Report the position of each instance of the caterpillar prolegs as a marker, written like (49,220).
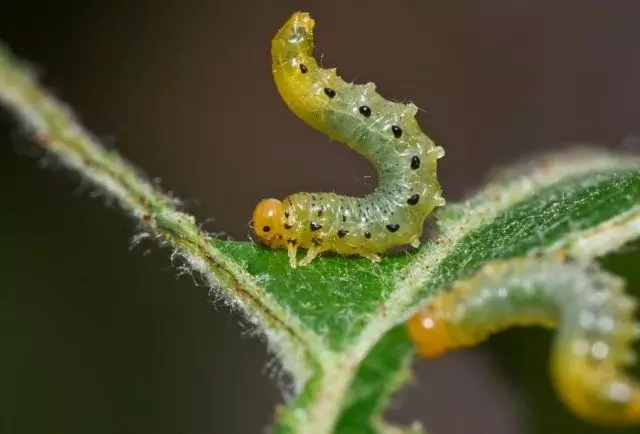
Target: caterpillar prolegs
(595,321)
(384,132)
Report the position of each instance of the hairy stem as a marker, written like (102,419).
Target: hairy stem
(54,128)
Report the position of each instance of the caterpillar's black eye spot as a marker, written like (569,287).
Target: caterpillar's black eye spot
(342,233)
(413,199)
(329,92)
(266,228)
(315,226)
(344,218)
(303,68)
(319,213)
(367,234)
(287,226)
(393,227)
(286,214)
(415,162)
(364,111)
(396,130)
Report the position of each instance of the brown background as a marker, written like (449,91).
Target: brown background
(97,338)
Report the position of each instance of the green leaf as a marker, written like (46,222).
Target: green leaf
(337,326)
(355,304)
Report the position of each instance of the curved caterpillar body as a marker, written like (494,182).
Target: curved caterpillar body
(595,320)
(384,132)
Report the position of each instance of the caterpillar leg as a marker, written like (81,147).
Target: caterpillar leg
(292,250)
(311,254)
(374,257)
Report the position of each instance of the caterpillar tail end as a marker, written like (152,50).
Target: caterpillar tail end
(599,394)
(298,29)
(302,20)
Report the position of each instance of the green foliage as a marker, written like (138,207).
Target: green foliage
(343,300)
(332,297)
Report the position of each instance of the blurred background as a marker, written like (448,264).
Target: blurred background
(99,337)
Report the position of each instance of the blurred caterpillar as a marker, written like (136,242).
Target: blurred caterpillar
(384,132)
(595,319)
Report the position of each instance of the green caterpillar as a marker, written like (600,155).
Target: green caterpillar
(595,320)
(384,132)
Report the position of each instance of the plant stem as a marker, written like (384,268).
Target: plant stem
(54,127)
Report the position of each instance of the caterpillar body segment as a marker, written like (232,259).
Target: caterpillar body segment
(595,321)
(384,132)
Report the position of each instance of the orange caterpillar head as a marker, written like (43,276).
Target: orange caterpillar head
(429,333)
(268,223)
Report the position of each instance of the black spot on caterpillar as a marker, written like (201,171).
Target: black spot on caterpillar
(384,132)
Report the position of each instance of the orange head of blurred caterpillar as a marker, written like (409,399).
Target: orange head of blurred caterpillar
(268,223)
(430,333)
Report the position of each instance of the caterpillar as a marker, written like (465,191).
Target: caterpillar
(384,132)
(595,319)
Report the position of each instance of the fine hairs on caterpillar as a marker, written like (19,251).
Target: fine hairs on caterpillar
(595,320)
(384,132)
